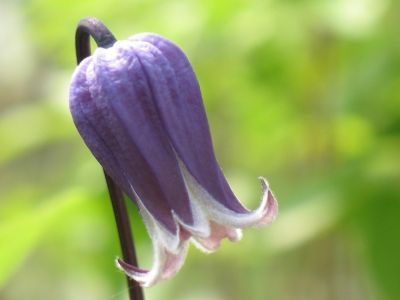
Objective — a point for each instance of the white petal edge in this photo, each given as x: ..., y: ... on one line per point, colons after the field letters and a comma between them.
x: 169, y: 251
x: 165, y: 265
x: 263, y: 215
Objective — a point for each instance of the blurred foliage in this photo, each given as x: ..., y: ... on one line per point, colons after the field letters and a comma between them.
x: 306, y: 93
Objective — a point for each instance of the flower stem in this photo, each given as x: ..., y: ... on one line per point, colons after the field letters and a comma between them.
x: 92, y: 27
x: 125, y: 234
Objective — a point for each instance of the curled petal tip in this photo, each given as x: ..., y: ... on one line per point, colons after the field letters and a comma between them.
x: 270, y: 210
x: 165, y: 265
x: 137, y: 274
x: 128, y: 268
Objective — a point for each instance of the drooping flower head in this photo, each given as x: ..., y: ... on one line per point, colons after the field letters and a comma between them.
x: 138, y: 107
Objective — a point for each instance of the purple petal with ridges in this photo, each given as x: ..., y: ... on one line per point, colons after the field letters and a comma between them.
x: 183, y: 115
x: 97, y: 112
x: 151, y: 164
x: 79, y: 91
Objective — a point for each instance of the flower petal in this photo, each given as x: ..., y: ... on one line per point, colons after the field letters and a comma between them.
x: 263, y: 215
x: 121, y: 106
x: 218, y: 233
x: 95, y: 141
x: 169, y: 253
x: 149, y: 160
x: 166, y: 264
x: 183, y: 115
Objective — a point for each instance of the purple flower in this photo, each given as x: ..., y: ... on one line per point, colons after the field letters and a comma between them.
x: 138, y: 107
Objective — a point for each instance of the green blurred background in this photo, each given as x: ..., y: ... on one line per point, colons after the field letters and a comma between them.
x: 305, y: 93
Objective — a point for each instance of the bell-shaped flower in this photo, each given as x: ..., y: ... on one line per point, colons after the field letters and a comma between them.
x: 138, y: 107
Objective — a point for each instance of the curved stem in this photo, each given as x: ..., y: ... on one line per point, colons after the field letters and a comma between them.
x: 92, y: 27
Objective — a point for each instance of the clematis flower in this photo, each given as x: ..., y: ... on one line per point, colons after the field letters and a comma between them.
x: 138, y: 107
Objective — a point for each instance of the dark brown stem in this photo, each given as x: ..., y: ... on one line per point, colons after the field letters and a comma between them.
x: 91, y: 27
x: 125, y: 234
